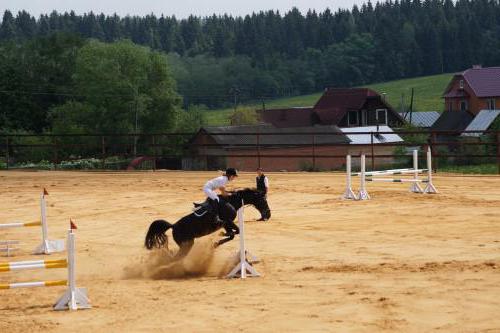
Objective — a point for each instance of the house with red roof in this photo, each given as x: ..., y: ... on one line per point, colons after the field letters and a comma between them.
x: 342, y: 107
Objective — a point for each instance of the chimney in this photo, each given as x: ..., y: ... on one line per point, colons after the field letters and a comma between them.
x: 477, y: 66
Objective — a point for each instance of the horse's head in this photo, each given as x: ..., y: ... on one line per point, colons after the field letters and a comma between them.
x: 256, y: 199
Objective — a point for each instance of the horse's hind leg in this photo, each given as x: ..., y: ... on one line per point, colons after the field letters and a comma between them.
x: 184, y: 249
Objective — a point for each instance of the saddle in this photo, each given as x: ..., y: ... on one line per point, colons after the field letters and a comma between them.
x: 200, y: 209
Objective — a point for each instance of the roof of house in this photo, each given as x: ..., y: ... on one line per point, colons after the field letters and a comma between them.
x: 302, y: 135
x: 482, y: 121
x: 287, y: 117
x: 363, y: 139
x: 421, y: 119
x: 335, y: 102
x: 453, y: 121
x: 485, y: 82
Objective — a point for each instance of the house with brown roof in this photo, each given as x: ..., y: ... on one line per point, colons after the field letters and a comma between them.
x: 474, y: 90
x: 342, y: 107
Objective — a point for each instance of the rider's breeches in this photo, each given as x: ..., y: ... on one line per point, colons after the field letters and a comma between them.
x: 211, y: 193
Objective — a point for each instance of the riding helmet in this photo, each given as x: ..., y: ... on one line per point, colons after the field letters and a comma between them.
x: 231, y: 172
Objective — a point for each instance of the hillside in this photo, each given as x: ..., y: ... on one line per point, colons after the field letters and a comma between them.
x: 427, y: 97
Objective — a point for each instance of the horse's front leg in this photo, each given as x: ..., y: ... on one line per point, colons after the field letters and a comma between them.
x: 231, y: 229
x: 230, y: 236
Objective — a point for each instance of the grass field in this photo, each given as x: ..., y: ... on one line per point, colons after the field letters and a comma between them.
x: 427, y: 97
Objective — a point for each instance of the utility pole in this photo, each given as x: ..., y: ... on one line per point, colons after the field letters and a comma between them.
x: 411, y: 105
x: 235, y: 92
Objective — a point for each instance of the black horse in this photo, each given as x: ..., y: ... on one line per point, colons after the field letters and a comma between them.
x: 197, y: 225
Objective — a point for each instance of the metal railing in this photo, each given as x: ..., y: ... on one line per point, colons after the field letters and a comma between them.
x: 16, y: 149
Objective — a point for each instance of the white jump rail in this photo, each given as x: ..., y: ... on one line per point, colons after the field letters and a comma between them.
x: 243, y: 269
x: 47, y: 246
x: 8, y: 246
x: 74, y: 298
x: 368, y: 176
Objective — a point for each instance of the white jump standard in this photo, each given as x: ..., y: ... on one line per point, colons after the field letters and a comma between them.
x: 74, y: 298
x: 47, y: 246
x: 368, y: 176
x: 243, y: 269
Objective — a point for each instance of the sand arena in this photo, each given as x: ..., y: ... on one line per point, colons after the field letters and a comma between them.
x: 401, y: 262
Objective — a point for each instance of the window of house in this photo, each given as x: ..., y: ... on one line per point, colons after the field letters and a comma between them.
x: 461, y: 84
x: 450, y: 106
x: 381, y: 116
x: 463, y: 105
x: 364, y: 118
x: 352, y: 118
x: 490, y: 104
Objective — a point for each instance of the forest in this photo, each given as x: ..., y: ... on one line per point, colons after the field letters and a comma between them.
x: 64, y: 72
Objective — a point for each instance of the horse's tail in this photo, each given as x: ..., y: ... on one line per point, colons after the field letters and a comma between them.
x: 156, y: 236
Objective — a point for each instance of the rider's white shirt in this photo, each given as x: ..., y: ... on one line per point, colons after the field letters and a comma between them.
x: 214, y: 184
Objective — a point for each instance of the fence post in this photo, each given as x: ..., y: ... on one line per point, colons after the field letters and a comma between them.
x: 373, y: 149
x: 103, y: 152
x: 154, y: 152
x: 314, y: 151
x: 258, y: 150
x: 56, y: 157
x: 498, y: 151
x: 7, y: 157
x: 433, y: 152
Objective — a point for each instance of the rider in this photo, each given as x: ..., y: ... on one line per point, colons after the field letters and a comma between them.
x: 218, y: 204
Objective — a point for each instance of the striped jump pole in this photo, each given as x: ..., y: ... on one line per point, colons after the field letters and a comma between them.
x: 34, y: 284
x: 349, y: 193
x: 363, y: 194
x: 47, y: 246
x: 35, y: 264
x: 243, y: 269
x: 429, y: 188
x: 74, y: 298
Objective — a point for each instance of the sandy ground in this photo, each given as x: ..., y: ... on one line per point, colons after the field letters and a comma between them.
x: 401, y: 262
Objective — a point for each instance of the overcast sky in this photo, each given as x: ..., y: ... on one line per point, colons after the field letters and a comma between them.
x: 179, y: 8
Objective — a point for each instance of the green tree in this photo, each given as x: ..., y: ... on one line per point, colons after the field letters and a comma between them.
x: 244, y: 116
x: 122, y: 85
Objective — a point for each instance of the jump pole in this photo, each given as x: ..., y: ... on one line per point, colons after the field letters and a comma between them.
x: 74, y: 298
x: 363, y: 194
x: 414, y: 187
x: 430, y: 188
x: 349, y: 193
x: 47, y: 246
x: 243, y: 269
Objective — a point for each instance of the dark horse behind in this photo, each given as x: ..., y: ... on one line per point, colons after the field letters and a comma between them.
x: 194, y: 226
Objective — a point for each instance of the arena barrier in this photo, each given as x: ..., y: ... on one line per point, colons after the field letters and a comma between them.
x: 368, y: 176
x: 47, y: 246
x: 74, y: 298
x: 243, y: 269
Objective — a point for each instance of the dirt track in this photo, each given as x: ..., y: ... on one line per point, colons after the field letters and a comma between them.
x: 401, y: 262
